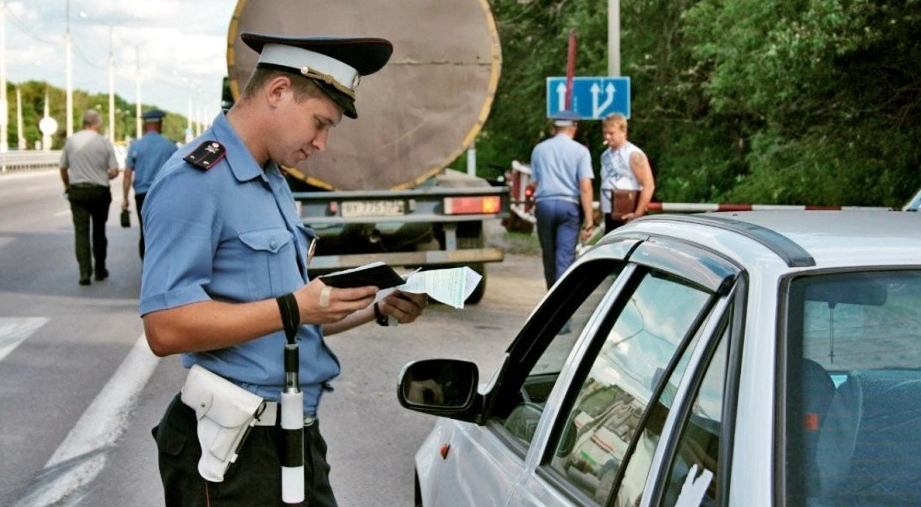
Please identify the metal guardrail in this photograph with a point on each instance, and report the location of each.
(16, 161)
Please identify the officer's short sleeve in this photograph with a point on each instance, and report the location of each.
(585, 165)
(132, 156)
(181, 233)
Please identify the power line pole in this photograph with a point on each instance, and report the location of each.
(613, 37)
(111, 89)
(137, 90)
(4, 104)
(70, 70)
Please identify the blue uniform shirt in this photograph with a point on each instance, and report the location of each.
(146, 156)
(232, 233)
(558, 164)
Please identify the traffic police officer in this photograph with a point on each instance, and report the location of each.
(225, 244)
(145, 157)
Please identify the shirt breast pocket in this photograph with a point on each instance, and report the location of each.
(271, 262)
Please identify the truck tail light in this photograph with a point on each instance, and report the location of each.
(486, 205)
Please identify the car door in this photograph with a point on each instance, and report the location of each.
(598, 437)
(485, 461)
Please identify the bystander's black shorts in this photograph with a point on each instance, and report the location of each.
(254, 479)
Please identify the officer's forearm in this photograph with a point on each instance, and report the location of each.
(209, 325)
(126, 183)
(352, 321)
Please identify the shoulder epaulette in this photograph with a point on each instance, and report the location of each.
(206, 155)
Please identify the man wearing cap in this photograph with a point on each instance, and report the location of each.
(227, 251)
(562, 171)
(87, 164)
(145, 157)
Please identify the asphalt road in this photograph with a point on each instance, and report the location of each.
(79, 390)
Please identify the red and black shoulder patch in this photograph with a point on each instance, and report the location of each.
(206, 155)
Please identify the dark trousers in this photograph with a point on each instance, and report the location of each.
(139, 201)
(253, 480)
(610, 224)
(558, 224)
(89, 207)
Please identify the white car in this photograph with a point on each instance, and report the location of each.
(729, 359)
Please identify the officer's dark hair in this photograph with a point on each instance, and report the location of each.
(303, 87)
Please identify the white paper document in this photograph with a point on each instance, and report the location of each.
(451, 286)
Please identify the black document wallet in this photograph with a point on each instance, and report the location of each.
(376, 273)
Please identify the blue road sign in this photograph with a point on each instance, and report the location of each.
(592, 97)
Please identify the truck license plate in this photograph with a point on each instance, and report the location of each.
(372, 208)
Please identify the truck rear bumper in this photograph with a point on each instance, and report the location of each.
(428, 258)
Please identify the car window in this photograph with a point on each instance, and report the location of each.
(853, 389)
(523, 418)
(628, 366)
(693, 473)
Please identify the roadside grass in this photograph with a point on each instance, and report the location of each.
(521, 243)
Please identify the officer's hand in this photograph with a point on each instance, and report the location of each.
(322, 304)
(403, 306)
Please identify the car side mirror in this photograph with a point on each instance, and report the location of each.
(438, 386)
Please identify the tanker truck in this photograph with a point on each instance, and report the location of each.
(380, 191)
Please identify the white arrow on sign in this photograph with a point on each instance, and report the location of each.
(561, 96)
(609, 94)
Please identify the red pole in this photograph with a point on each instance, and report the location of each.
(570, 67)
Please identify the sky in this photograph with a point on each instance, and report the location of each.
(180, 45)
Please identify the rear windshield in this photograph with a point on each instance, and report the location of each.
(853, 390)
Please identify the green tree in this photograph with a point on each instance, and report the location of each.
(784, 101)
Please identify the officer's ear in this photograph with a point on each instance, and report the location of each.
(276, 89)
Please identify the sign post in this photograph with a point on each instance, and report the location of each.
(593, 98)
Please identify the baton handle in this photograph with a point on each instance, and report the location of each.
(292, 464)
(292, 427)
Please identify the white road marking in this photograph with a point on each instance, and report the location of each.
(14, 330)
(83, 454)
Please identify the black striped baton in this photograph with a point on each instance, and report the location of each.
(292, 409)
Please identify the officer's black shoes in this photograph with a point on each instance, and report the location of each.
(84, 281)
(101, 274)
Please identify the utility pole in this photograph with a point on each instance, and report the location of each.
(111, 89)
(4, 104)
(614, 37)
(70, 70)
(137, 92)
(21, 139)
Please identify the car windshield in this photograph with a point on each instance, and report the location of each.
(853, 389)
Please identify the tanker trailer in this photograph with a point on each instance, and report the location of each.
(380, 191)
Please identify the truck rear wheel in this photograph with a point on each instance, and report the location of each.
(470, 236)
(480, 290)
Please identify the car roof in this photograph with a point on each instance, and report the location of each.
(829, 238)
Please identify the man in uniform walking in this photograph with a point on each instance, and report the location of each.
(562, 171)
(145, 157)
(87, 164)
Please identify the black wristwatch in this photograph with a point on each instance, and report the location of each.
(381, 319)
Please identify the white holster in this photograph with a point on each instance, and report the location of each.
(225, 414)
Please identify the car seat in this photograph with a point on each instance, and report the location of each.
(818, 390)
(869, 449)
